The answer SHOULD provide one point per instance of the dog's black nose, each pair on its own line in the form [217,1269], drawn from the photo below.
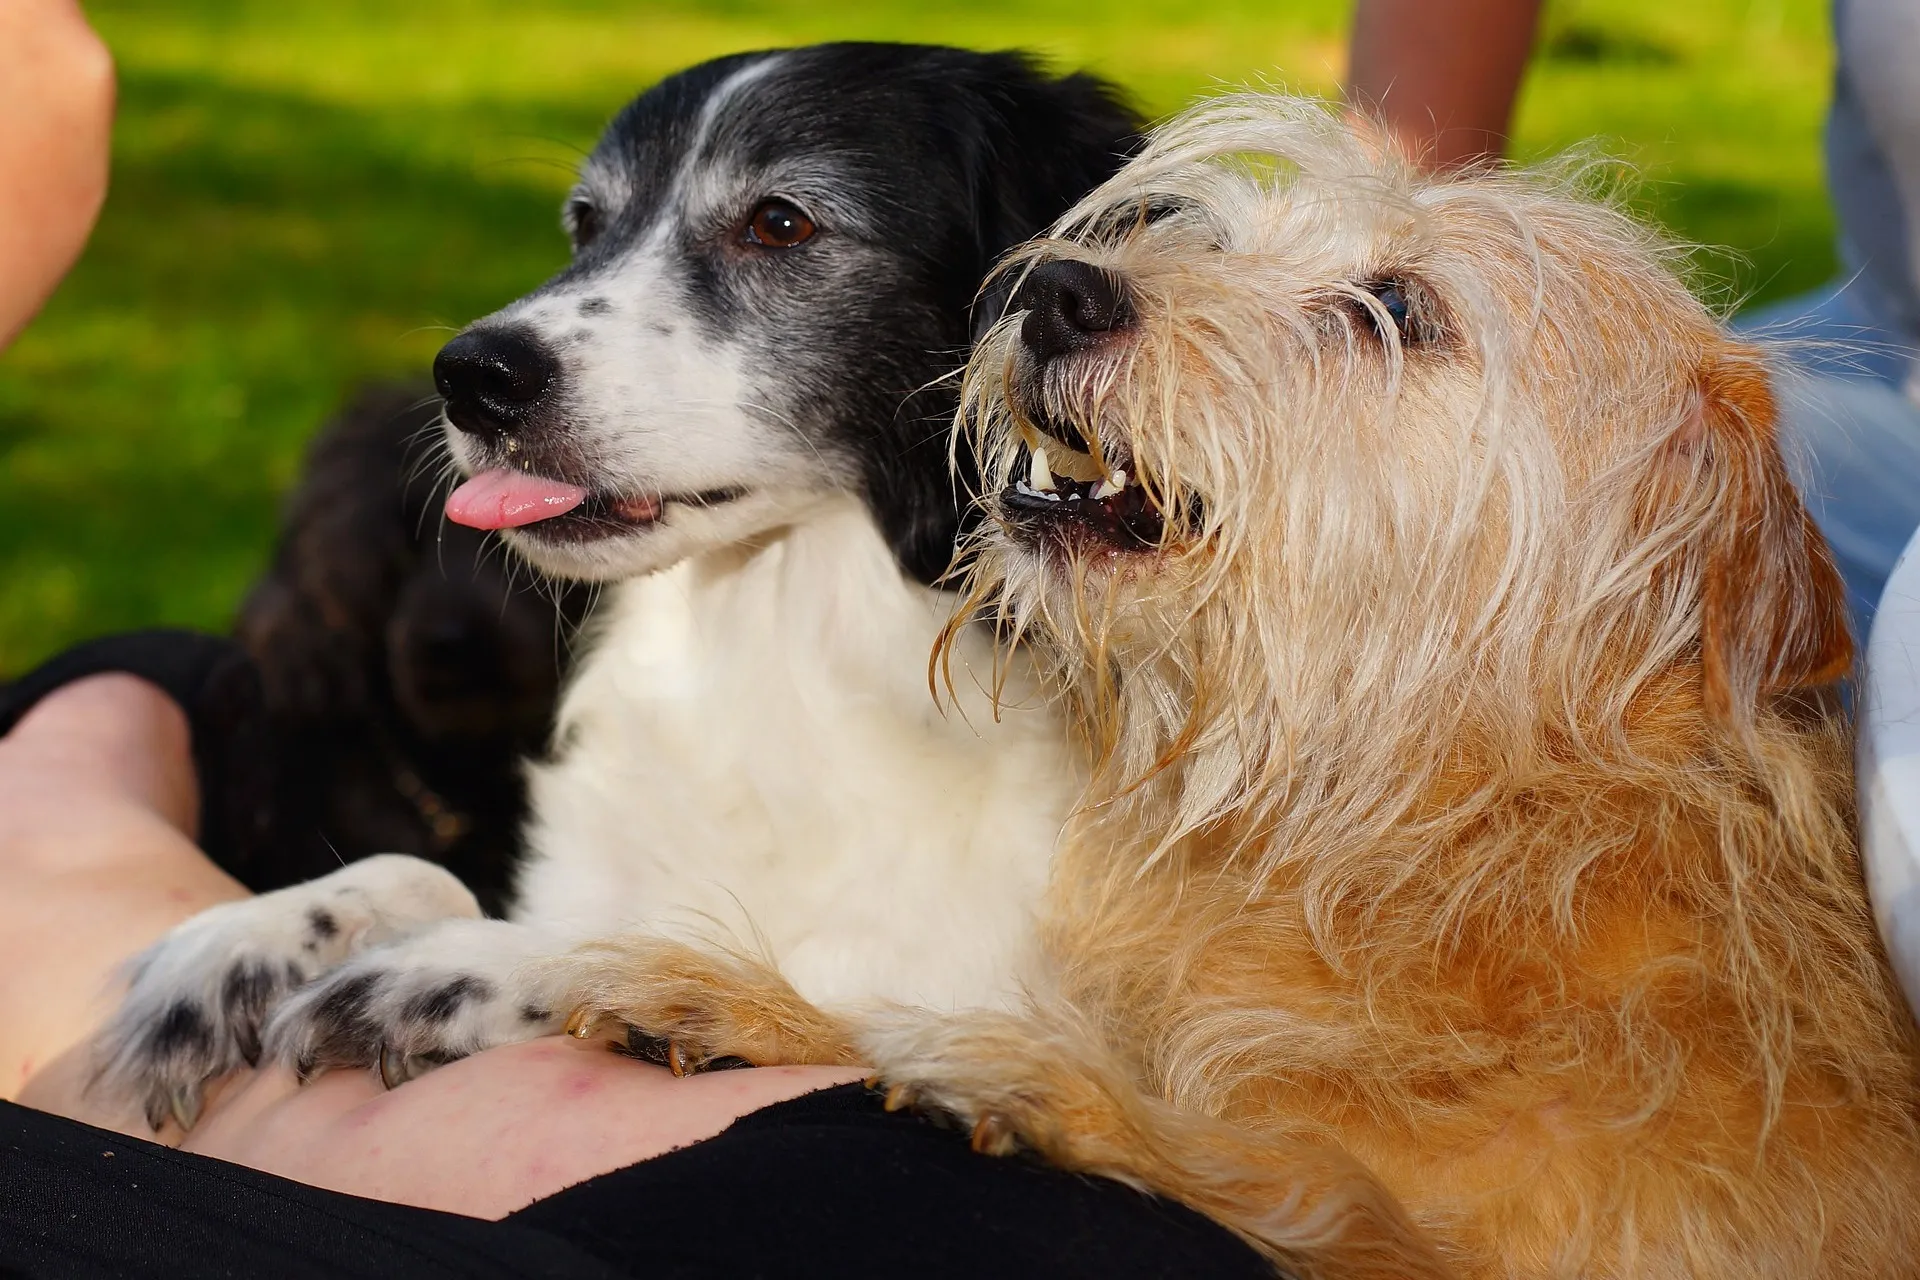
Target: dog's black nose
[1070,306]
[492,379]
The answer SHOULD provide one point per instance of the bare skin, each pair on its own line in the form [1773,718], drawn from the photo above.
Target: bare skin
[96,799]
[1442,74]
[56,113]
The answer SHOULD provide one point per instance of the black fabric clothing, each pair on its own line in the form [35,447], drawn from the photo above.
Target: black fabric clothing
[826,1185]
[79,1203]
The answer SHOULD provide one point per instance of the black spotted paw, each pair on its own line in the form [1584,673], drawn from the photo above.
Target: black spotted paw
[197,1001]
[419,1003]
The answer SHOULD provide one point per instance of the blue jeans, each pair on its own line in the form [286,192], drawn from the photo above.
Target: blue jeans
[1850,432]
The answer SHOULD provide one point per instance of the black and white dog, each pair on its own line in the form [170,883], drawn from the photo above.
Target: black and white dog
[733,405]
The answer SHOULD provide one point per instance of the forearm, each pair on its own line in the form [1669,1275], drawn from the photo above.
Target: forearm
[1442,74]
[95,790]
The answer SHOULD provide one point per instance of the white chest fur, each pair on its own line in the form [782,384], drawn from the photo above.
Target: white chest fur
[750,754]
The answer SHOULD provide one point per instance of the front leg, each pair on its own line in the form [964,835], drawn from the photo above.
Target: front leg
[440,994]
[197,999]
[693,1008]
[1046,1085]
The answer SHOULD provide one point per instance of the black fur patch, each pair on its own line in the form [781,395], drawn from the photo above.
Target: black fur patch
[644,1046]
[595,306]
[245,996]
[534,1014]
[442,1003]
[386,736]
[343,1032]
[183,1030]
[321,923]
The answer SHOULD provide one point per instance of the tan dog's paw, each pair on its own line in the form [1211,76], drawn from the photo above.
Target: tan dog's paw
[991,1132]
[692,1010]
[1012,1084]
[1045,1085]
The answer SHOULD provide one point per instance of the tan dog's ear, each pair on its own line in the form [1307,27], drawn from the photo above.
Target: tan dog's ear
[1774,608]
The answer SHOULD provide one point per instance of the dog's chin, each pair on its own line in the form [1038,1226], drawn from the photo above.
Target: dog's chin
[611,546]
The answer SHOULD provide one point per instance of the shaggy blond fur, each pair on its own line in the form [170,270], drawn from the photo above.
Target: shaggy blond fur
[1468,882]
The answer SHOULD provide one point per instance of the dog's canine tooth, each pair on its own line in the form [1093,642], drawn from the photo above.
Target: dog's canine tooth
[1038,473]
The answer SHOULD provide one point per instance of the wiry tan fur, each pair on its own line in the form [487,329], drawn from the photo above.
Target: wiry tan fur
[1468,882]
[1467,797]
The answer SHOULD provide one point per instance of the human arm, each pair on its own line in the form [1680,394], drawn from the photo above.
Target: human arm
[1442,74]
[56,119]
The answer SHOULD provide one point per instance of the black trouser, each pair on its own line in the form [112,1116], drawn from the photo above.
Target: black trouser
[829,1184]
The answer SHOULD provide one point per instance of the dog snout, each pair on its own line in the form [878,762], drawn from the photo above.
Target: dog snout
[494,379]
[1070,306]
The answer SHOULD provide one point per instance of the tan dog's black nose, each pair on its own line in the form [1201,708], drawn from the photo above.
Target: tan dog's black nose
[493,379]
[1070,306]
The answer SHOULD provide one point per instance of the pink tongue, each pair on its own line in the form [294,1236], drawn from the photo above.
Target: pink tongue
[508,499]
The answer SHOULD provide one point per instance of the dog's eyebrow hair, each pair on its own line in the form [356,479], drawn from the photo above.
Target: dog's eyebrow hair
[694,158]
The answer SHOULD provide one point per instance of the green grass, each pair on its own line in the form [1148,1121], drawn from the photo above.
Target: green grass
[310,193]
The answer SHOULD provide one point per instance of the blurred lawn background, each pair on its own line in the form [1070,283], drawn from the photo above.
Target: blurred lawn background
[309,194]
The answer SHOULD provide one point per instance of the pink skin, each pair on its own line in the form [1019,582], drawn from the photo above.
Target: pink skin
[56,115]
[489,1134]
[95,790]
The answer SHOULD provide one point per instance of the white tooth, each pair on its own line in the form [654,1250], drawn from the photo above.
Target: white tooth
[1103,490]
[1118,479]
[1038,474]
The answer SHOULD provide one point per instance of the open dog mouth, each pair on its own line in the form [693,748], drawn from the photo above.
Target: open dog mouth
[557,511]
[1062,490]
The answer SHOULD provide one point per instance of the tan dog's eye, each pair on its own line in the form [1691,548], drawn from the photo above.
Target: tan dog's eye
[775,224]
[1392,298]
[1399,304]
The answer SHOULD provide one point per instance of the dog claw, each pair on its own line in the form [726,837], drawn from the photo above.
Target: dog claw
[899,1097]
[185,1105]
[392,1070]
[677,1061]
[993,1135]
[581,1022]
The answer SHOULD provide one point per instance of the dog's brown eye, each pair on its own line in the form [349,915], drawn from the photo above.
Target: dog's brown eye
[582,221]
[775,224]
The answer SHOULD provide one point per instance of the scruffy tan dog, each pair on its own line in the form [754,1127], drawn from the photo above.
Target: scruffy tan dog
[1468,884]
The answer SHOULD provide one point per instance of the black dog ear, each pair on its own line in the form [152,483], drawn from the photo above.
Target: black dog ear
[1053,141]
[1016,148]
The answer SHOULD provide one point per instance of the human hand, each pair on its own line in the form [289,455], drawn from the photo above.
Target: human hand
[56,119]
[485,1135]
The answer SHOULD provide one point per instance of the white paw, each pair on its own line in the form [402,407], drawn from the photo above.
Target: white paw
[426,1000]
[198,999]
